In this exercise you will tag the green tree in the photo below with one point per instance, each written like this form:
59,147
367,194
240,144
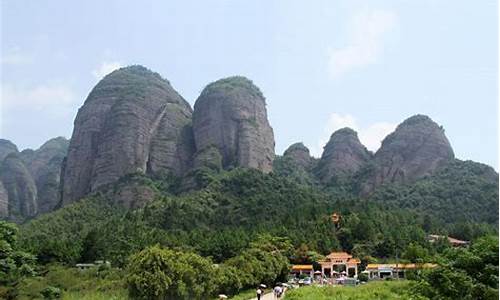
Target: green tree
14,264
158,273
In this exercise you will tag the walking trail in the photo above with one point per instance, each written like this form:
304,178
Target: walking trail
269,296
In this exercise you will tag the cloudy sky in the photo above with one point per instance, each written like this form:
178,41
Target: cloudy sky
321,65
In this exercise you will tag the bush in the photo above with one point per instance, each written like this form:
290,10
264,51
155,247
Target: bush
51,292
158,273
363,277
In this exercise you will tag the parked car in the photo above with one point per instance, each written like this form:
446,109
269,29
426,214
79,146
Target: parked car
307,281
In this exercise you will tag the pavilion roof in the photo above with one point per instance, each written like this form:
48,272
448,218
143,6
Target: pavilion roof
353,261
339,255
302,267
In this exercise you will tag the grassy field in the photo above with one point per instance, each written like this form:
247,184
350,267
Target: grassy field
73,284
383,290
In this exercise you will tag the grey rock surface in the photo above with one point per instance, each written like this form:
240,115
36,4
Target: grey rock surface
6,147
132,121
4,202
230,115
20,187
44,165
418,147
342,155
300,155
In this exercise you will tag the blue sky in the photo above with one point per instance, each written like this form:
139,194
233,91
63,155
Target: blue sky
322,65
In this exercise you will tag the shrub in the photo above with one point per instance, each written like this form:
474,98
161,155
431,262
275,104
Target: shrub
363,277
51,292
158,273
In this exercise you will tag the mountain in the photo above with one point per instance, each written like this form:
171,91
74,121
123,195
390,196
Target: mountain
20,187
132,121
44,165
4,202
342,156
6,147
230,116
30,179
296,164
418,147
136,139
299,154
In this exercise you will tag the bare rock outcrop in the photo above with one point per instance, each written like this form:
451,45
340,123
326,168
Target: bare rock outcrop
230,115
343,155
4,202
20,187
44,165
300,155
6,148
417,148
132,121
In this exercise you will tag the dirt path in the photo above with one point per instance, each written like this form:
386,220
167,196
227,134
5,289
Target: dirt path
269,296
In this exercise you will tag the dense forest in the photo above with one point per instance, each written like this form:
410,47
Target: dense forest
233,218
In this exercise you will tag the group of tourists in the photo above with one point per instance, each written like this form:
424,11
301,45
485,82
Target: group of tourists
277,291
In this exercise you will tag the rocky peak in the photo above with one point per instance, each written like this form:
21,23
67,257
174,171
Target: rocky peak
4,202
417,148
44,165
6,147
230,115
37,160
300,155
20,187
342,155
132,121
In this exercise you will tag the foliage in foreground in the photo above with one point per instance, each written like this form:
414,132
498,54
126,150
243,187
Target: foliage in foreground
157,273
95,283
466,274
14,264
382,290
160,273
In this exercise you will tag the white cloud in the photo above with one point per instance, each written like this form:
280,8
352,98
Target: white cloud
16,57
364,41
47,97
371,135
105,68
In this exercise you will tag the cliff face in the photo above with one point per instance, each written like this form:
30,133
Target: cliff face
4,202
417,148
132,121
44,165
299,154
6,147
343,155
231,116
20,187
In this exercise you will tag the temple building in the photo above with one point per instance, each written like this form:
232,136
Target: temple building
383,271
298,270
338,263
432,238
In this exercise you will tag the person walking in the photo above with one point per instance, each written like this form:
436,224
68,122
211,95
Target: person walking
259,293
278,291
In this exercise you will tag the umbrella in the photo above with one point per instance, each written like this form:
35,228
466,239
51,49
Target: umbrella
317,272
262,286
335,272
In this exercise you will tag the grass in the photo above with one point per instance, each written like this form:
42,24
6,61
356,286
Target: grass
382,290
92,284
